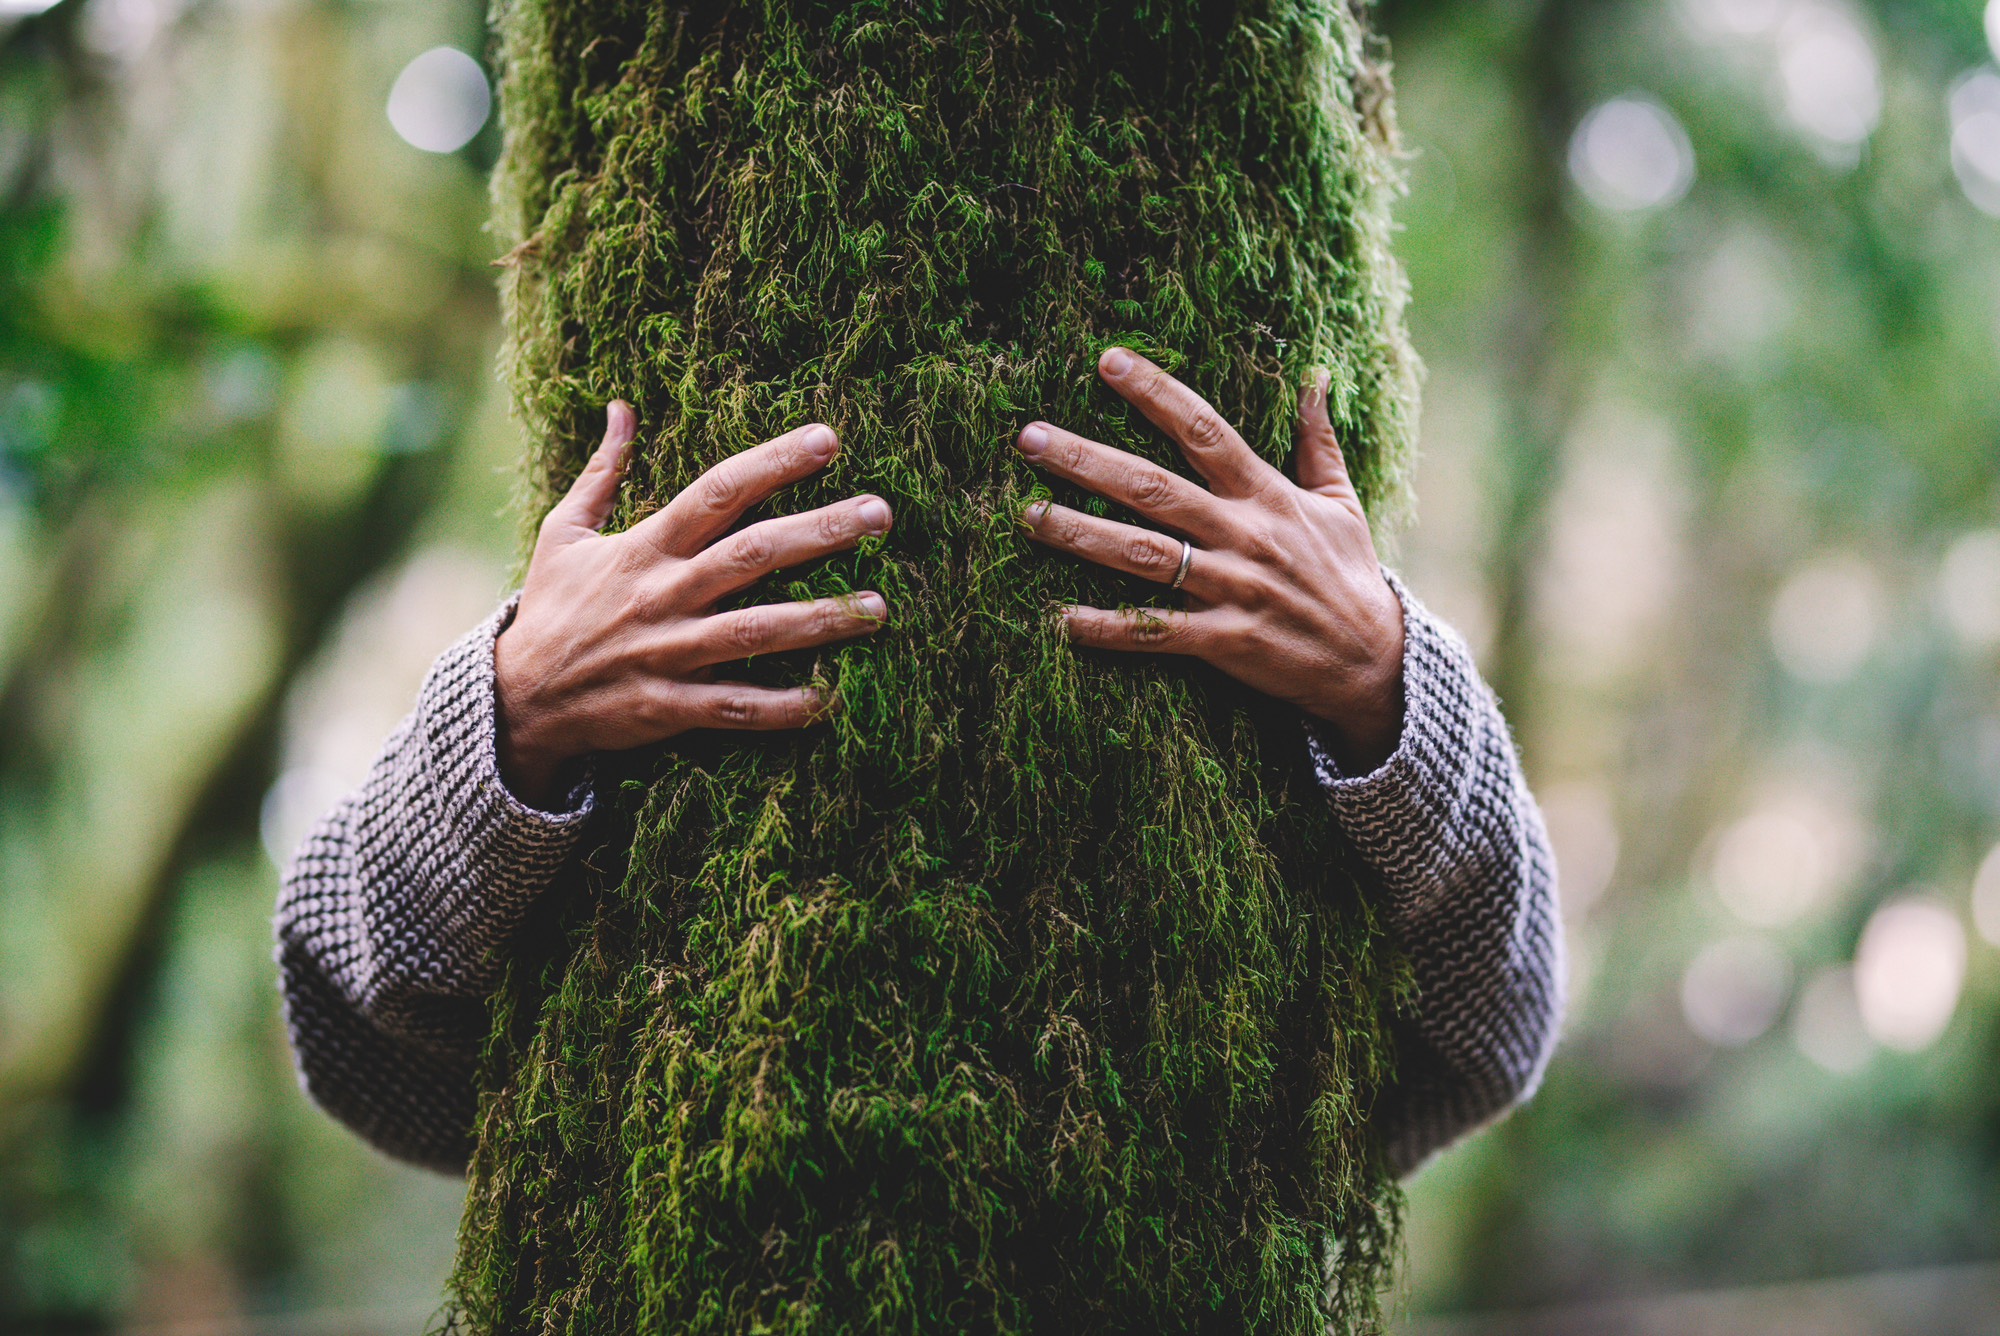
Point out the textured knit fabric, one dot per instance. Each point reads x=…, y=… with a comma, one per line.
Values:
x=394, y=910
x=1469, y=880
x=397, y=906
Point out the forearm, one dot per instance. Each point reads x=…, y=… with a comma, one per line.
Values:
x=1451, y=831
x=396, y=909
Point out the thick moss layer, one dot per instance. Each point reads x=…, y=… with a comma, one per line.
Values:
x=1034, y=993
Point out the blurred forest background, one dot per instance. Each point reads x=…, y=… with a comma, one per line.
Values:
x=1710, y=295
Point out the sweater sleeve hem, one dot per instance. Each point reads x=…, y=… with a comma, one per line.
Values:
x=506, y=850
x=406, y=889
x=1399, y=814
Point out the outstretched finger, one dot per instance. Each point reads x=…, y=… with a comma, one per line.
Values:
x=1135, y=483
x=1125, y=547
x=587, y=504
x=1137, y=629
x=1322, y=468
x=774, y=628
x=1204, y=436
x=706, y=509
x=773, y=545
x=740, y=706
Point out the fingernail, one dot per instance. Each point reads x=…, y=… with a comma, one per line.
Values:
x=874, y=515
x=872, y=605
x=1034, y=439
x=1116, y=362
x=1036, y=512
x=821, y=442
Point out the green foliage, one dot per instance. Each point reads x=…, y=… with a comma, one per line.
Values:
x=1034, y=992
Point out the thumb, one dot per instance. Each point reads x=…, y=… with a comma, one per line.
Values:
x=588, y=502
x=1321, y=468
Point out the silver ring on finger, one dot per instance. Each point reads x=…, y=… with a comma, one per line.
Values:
x=1187, y=560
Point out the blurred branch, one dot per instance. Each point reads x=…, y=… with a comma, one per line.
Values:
x=324, y=563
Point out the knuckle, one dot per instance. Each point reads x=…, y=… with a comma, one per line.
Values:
x=750, y=629
x=1206, y=429
x=753, y=551
x=657, y=708
x=666, y=708
x=1264, y=546
x=1146, y=552
x=720, y=491
x=1083, y=627
x=1254, y=590
x=1151, y=630
x=670, y=592
x=1151, y=488
x=738, y=708
x=833, y=526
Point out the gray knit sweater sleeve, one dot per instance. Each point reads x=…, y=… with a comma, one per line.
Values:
x=393, y=909
x=1469, y=882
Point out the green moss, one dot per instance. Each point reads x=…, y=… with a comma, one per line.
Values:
x=1034, y=993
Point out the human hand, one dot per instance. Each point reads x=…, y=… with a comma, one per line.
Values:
x=616, y=639
x=1284, y=590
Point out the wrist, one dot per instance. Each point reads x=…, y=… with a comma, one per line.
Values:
x=1365, y=737
x=526, y=741
x=1363, y=711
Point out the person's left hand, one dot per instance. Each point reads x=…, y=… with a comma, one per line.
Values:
x=1284, y=591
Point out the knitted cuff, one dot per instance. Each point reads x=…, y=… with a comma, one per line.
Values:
x=1400, y=815
x=507, y=851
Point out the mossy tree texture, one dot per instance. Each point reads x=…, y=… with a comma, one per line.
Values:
x=1035, y=992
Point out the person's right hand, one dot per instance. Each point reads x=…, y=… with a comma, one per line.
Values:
x=616, y=638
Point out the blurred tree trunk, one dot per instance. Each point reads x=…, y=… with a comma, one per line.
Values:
x=1035, y=991
x=1549, y=314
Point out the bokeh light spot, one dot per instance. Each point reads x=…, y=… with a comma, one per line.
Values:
x=1584, y=829
x=1974, y=107
x=1986, y=896
x=1798, y=846
x=1772, y=866
x=1826, y=617
x=440, y=100
x=1631, y=154
x=1734, y=989
x=1616, y=557
x=1969, y=587
x=125, y=29
x=1908, y=972
x=1735, y=18
x=1830, y=81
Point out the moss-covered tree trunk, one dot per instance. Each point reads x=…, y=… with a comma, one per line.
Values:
x=1034, y=993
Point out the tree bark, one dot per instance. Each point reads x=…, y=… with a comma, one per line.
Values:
x=1035, y=992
